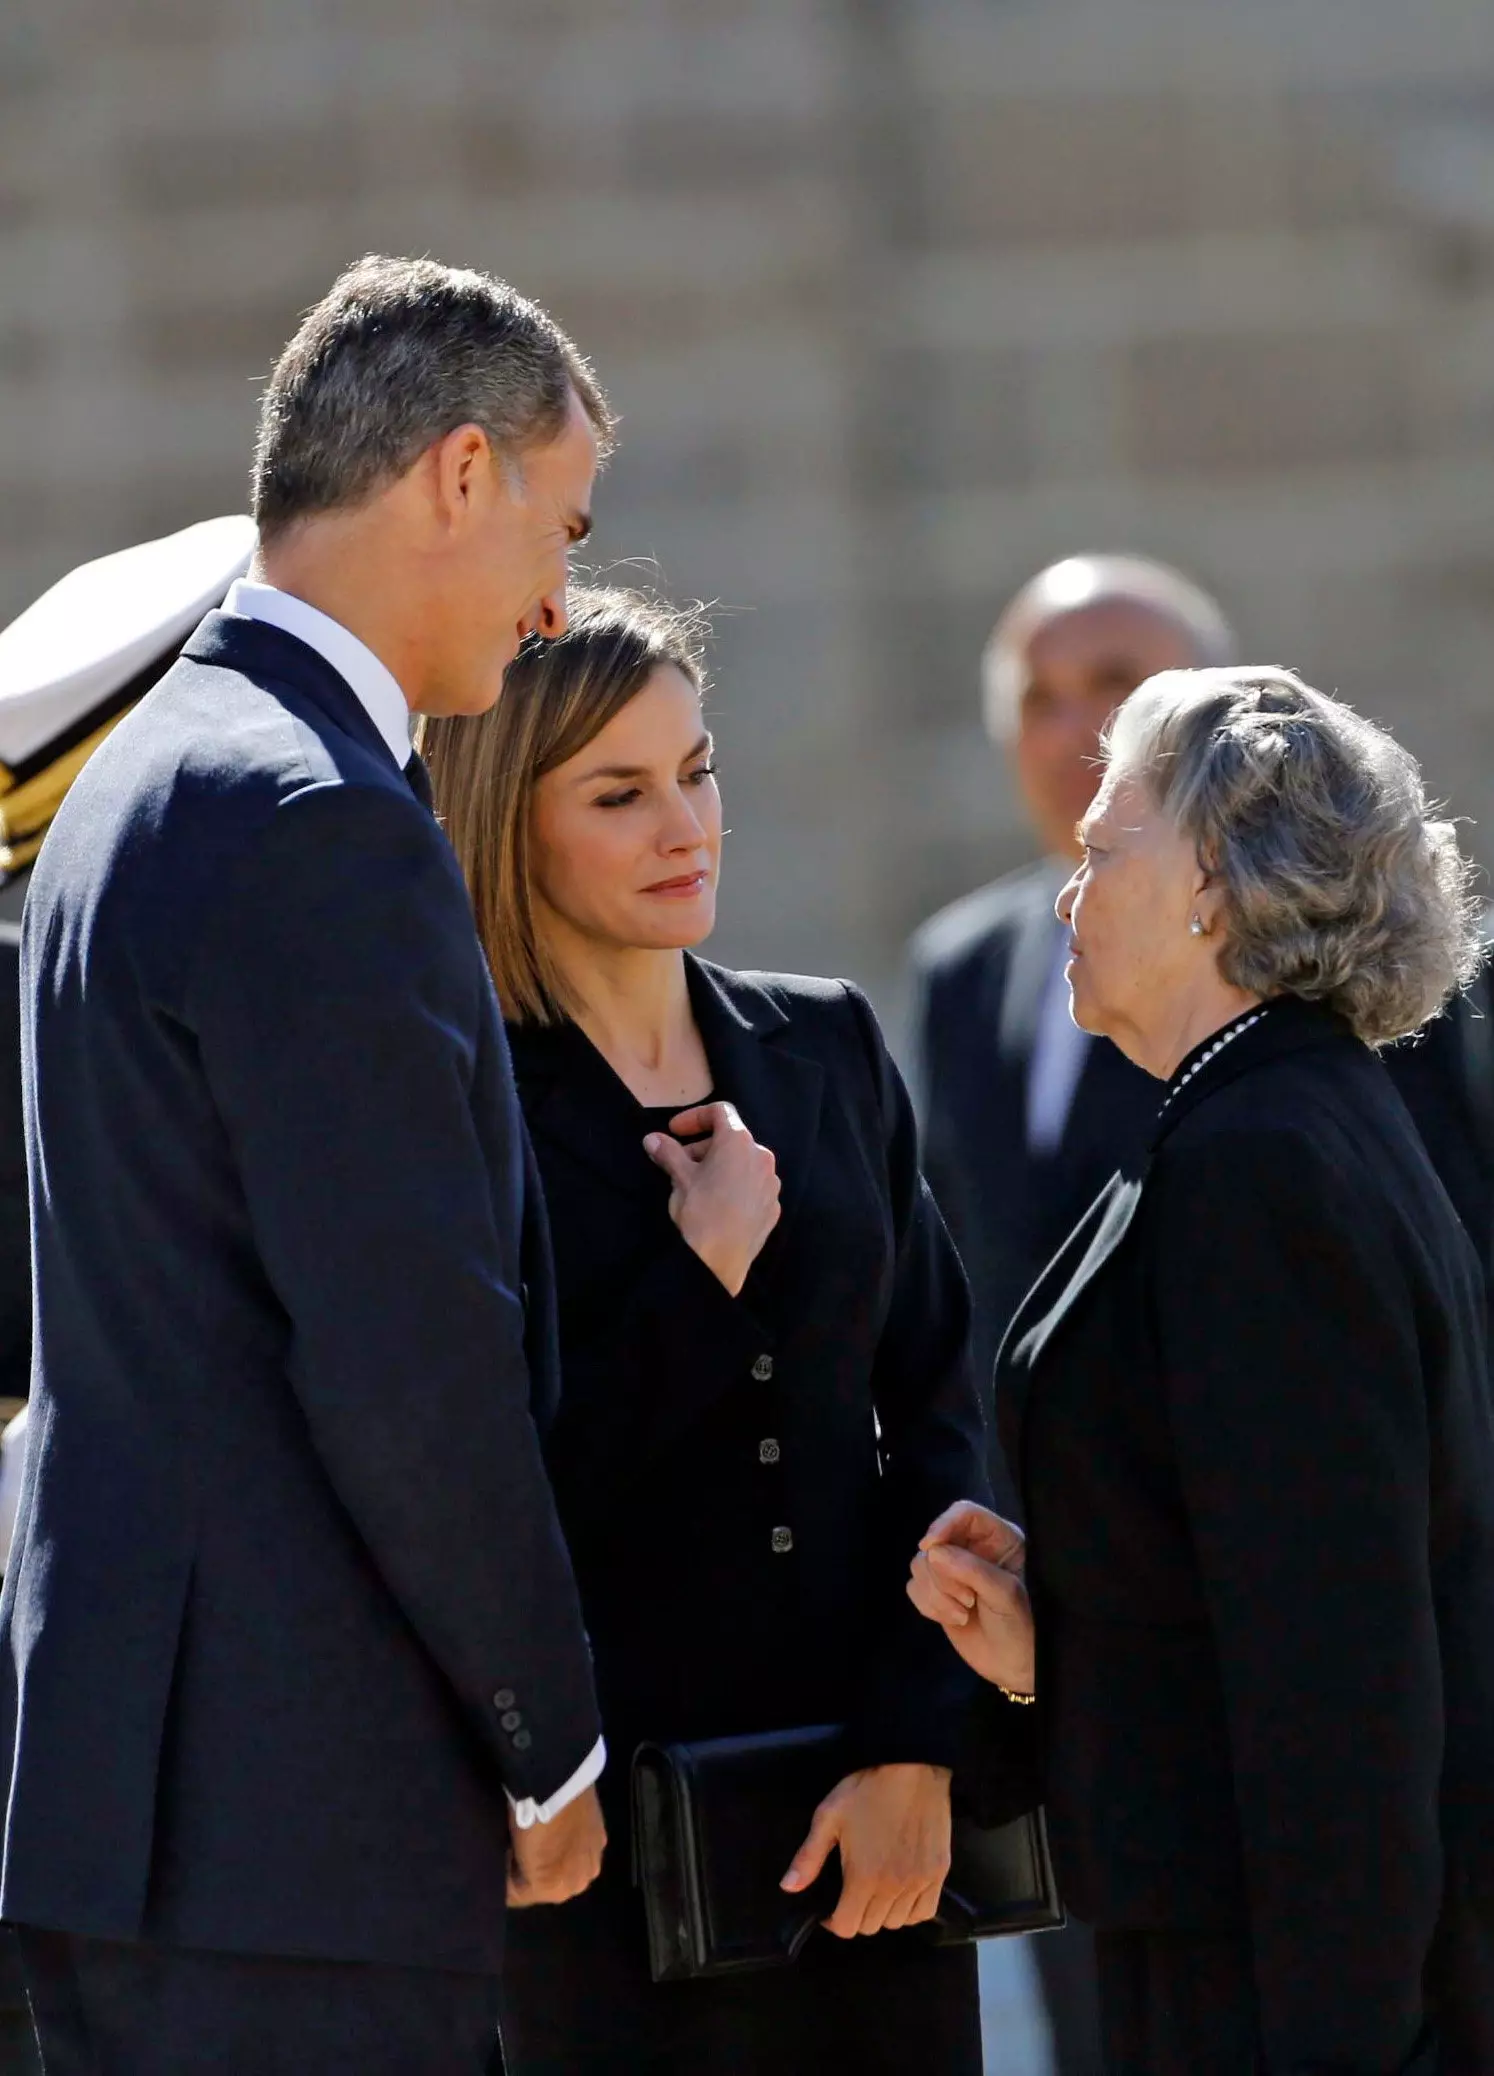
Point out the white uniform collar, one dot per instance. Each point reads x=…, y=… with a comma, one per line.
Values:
x=376, y=687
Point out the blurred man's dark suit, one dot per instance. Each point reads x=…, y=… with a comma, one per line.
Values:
x=984, y=971
x=15, y=1225
x=17, y=2048
x=15, y=1246
x=987, y=994
x=288, y=1608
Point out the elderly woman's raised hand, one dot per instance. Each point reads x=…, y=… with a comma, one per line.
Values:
x=967, y=1577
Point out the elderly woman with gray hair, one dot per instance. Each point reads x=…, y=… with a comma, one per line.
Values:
x=1248, y=1410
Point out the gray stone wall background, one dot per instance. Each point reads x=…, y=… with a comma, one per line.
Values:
x=897, y=298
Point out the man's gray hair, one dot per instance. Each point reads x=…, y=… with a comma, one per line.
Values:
x=1073, y=585
x=1341, y=884
x=397, y=354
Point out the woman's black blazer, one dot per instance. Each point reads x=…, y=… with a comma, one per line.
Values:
x=743, y=1480
x=1248, y=1407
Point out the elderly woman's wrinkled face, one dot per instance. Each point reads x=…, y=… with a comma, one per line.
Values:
x=1129, y=908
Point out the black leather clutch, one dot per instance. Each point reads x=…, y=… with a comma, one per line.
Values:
x=716, y=1824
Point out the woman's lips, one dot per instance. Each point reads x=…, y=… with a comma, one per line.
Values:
x=678, y=889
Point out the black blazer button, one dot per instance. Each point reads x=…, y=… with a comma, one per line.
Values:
x=522, y=1740
x=504, y=1698
x=510, y=1719
x=768, y=1450
x=762, y=1369
x=783, y=1541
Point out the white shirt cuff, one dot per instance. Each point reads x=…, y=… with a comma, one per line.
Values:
x=529, y=1812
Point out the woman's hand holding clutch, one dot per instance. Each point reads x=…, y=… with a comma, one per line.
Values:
x=892, y=1825
x=967, y=1577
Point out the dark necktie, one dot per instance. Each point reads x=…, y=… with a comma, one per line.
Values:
x=420, y=780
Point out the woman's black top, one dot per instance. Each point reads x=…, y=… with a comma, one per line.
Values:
x=743, y=1482
x=1248, y=1407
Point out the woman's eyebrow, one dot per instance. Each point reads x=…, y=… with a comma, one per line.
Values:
x=633, y=771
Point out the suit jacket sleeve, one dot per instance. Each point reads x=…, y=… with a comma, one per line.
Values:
x=1290, y=1351
x=335, y=1003
x=918, y=1693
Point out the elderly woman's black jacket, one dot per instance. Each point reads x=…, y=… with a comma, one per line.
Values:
x=1248, y=1407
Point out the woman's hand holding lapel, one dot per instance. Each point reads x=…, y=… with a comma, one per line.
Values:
x=725, y=1198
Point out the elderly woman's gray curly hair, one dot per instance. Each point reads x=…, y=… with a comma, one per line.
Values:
x=1341, y=884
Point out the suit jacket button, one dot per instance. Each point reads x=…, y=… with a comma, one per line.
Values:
x=762, y=1369
x=768, y=1450
x=504, y=1698
x=511, y=1719
x=522, y=1740
x=783, y=1541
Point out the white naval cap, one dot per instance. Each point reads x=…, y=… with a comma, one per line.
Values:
x=104, y=623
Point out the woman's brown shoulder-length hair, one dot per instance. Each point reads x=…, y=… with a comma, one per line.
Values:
x=556, y=698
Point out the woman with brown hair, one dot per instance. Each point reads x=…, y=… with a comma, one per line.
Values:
x=763, y=1333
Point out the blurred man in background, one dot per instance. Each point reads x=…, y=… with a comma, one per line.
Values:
x=1025, y=1116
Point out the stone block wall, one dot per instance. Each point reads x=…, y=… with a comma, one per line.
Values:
x=897, y=299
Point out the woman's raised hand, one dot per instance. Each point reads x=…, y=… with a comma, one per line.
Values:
x=967, y=1577
x=725, y=1194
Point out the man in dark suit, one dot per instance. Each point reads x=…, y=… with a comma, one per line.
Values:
x=1025, y=1117
x=293, y=1679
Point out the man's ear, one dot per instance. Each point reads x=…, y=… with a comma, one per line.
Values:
x=463, y=472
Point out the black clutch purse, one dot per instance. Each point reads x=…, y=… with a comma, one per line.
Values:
x=716, y=1824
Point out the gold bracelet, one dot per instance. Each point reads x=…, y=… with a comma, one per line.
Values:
x=1022, y=1700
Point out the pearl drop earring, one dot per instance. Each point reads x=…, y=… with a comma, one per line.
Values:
x=1195, y=928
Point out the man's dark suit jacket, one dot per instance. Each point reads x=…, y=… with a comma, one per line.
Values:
x=289, y=1607
x=980, y=969
x=1250, y=1412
